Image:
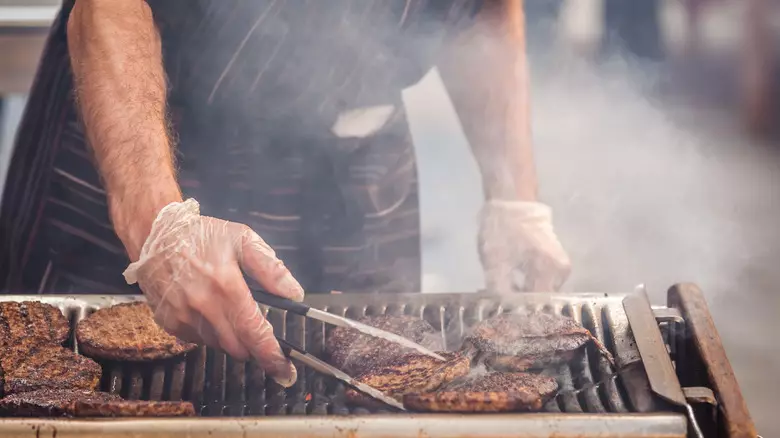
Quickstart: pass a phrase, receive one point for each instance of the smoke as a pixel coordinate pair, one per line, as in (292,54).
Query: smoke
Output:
(649,183)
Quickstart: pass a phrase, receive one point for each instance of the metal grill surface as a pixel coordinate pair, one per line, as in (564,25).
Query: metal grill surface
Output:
(221,386)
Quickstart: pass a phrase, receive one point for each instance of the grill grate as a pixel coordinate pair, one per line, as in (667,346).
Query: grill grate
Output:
(224,387)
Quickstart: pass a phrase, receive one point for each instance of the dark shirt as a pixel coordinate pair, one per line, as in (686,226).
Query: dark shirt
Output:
(256,87)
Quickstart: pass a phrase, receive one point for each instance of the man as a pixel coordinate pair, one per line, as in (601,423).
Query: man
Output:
(289,123)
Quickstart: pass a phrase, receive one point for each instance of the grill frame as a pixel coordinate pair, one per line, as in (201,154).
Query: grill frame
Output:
(471,307)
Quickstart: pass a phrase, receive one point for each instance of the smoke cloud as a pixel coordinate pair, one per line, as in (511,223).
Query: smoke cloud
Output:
(653,181)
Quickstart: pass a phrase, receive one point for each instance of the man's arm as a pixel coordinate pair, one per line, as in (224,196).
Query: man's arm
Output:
(485,72)
(116,58)
(188,266)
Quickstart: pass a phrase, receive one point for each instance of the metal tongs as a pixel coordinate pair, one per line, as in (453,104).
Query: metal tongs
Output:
(318,365)
(294,352)
(302,309)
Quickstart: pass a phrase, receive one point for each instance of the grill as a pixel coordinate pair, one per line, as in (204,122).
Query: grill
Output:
(644,399)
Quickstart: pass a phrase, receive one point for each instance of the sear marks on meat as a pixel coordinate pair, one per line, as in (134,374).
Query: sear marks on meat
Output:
(410,373)
(525,363)
(32,320)
(356,353)
(133,408)
(519,342)
(50,402)
(29,366)
(127,332)
(490,392)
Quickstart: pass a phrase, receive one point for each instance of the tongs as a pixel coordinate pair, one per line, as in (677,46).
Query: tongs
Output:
(302,309)
(316,364)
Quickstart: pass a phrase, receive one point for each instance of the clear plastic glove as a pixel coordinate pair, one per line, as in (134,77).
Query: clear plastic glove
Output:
(190,272)
(518,237)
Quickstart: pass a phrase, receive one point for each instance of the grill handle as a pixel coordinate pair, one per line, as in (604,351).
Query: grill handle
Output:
(689,299)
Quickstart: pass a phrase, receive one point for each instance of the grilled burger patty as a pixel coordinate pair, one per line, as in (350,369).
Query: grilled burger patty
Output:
(410,373)
(356,353)
(133,408)
(490,392)
(127,332)
(29,366)
(522,341)
(31,320)
(51,402)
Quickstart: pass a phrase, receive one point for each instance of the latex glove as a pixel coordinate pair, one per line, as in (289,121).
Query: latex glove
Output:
(518,237)
(190,272)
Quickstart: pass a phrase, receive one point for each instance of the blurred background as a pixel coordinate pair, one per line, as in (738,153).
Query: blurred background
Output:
(655,133)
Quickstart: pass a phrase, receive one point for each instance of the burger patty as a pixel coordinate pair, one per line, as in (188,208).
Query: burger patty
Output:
(133,408)
(51,402)
(410,373)
(522,341)
(29,366)
(356,353)
(490,392)
(127,332)
(32,320)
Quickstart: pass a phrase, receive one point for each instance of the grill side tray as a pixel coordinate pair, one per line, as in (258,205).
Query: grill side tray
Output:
(704,341)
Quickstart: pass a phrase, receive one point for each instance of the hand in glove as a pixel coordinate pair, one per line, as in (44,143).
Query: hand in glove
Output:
(519,236)
(190,272)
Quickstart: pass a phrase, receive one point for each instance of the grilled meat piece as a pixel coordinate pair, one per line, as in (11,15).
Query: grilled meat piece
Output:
(50,402)
(32,320)
(356,353)
(490,392)
(127,332)
(133,408)
(410,373)
(523,341)
(29,366)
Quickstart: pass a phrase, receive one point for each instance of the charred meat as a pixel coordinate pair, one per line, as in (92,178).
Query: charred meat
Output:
(523,341)
(489,392)
(29,366)
(410,373)
(51,402)
(356,353)
(127,332)
(133,408)
(31,320)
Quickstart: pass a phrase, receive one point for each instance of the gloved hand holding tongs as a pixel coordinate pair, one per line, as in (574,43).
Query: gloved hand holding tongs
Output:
(188,258)
(190,270)
(315,363)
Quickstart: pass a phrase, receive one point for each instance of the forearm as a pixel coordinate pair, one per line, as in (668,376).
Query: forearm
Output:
(116,59)
(486,74)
